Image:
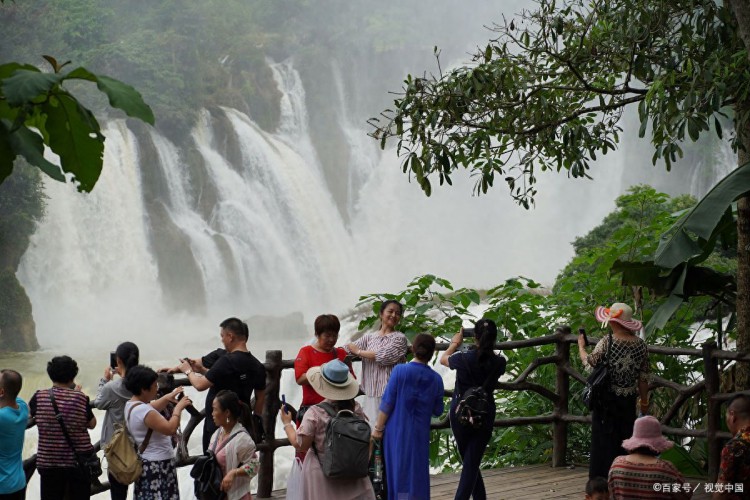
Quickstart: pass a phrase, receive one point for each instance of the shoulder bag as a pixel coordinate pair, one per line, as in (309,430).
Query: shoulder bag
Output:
(88,462)
(597,384)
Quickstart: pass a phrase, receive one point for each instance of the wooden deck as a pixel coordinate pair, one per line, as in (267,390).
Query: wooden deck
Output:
(533,482)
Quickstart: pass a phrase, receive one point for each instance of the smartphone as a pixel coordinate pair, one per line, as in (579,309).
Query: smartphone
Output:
(180,396)
(582,331)
(468,333)
(113,360)
(283,402)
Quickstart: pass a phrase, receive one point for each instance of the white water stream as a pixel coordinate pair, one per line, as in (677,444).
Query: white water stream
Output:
(273,242)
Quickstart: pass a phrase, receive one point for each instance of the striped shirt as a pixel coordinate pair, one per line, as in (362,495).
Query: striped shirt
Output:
(628,480)
(390,350)
(53,449)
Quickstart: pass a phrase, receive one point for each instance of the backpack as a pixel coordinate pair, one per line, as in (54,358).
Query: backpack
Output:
(207,473)
(347,445)
(473,408)
(475,404)
(123,458)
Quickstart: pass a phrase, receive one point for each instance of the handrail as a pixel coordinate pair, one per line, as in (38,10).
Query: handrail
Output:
(559,418)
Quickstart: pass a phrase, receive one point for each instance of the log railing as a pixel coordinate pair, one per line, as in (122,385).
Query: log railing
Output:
(559,418)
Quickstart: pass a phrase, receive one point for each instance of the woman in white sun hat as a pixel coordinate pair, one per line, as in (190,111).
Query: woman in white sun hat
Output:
(612,420)
(335,383)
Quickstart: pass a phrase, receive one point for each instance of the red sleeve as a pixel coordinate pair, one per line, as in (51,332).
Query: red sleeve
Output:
(302,363)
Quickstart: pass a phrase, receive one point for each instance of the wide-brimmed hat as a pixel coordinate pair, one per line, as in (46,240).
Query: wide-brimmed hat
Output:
(333,381)
(647,433)
(618,313)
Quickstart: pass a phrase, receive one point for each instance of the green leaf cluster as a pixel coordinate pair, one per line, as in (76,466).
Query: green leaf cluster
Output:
(37,110)
(548,92)
(523,309)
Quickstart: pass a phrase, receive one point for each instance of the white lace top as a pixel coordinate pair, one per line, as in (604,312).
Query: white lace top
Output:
(628,361)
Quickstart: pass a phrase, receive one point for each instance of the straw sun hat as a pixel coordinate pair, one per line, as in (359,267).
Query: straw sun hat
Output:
(647,433)
(333,381)
(618,313)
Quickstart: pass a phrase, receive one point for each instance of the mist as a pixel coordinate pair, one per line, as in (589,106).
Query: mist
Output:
(259,193)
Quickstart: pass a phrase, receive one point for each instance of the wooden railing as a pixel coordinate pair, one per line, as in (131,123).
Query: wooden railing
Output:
(559,418)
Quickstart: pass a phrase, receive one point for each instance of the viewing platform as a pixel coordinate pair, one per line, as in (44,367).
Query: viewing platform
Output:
(535,482)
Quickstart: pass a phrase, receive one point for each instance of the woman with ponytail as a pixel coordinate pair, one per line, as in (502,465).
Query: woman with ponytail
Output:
(477,367)
(233,446)
(112,396)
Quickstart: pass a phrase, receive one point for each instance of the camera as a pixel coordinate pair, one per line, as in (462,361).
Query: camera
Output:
(113,360)
(468,332)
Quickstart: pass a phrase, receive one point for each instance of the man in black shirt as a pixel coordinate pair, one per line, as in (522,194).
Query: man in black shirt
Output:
(236,370)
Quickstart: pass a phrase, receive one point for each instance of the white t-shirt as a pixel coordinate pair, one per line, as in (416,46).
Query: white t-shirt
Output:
(160,445)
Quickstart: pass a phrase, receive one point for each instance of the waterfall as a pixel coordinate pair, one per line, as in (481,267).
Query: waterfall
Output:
(89,265)
(270,241)
(240,221)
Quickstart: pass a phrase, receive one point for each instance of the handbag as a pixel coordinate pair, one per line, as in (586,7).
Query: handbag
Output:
(88,462)
(207,473)
(597,384)
(294,481)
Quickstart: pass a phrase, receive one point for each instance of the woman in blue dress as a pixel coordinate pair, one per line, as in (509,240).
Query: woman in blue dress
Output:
(413,395)
(477,367)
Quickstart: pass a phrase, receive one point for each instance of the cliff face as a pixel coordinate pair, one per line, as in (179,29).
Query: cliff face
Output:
(17,327)
(21,207)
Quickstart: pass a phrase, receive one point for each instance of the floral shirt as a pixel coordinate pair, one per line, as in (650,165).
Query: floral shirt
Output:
(735,465)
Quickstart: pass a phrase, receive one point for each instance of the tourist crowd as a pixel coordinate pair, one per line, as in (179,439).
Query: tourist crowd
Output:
(388,409)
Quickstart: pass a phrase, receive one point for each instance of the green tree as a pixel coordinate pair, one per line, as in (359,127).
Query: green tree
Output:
(548,93)
(522,310)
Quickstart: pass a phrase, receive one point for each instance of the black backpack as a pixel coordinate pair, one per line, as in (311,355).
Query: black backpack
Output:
(207,474)
(474,405)
(347,445)
(473,408)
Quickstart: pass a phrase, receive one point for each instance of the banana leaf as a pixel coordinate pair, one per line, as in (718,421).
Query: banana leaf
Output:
(695,234)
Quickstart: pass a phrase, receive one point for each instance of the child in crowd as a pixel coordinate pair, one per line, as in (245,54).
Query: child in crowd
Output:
(597,489)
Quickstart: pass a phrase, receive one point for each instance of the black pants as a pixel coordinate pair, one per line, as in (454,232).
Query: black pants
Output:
(471,445)
(16,495)
(117,490)
(56,482)
(610,426)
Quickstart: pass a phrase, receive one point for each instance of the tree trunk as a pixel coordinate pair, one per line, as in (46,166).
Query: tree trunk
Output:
(743,270)
(741,11)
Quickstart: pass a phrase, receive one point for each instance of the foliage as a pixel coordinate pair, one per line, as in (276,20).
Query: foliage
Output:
(674,269)
(36,110)
(523,309)
(548,92)
(191,55)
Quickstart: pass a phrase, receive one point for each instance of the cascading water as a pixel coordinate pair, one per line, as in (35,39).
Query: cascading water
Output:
(251,227)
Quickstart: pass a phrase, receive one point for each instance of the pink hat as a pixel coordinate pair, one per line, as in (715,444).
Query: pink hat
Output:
(618,313)
(647,432)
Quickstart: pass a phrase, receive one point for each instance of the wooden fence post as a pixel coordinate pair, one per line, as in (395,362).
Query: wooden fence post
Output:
(713,411)
(562,388)
(271,407)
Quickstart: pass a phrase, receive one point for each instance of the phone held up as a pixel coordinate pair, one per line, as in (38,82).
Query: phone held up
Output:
(283,403)
(582,331)
(468,333)
(113,360)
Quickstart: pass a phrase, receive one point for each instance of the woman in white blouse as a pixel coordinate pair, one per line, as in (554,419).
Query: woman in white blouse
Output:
(151,432)
(380,352)
(233,446)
